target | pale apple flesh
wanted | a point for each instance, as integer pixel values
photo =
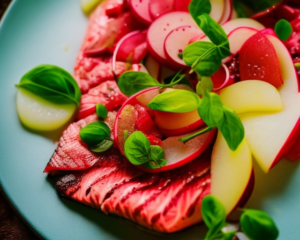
(271, 135)
(231, 172)
(251, 96)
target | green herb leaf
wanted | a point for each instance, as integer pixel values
(210, 109)
(203, 57)
(154, 165)
(131, 82)
(102, 147)
(177, 101)
(258, 225)
(260, 5)
(51, 83)
(232, 128)
(204, 85)
(202, 131)
(228, 235)
(215, 33)
(214, 215)
(283, 29)
(198, 7)
(156, 152)
(101, 111)
(94, 133)
(137, 148)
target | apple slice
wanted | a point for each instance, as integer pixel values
(242, 22)
(271, 135)
(177, 40)
(140, 10)
(258, 60)
(88, 6)
(230, 172)
(40, 114)
(159, 30)
(251, 96)
(158, 8)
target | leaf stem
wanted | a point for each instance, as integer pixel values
(202, 131)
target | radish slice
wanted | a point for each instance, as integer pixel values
(177, 40)
(131, 48)
(158, 8)
(159, 30)
(217, 9)
(221, 78)
(238, 37)
(140, 10)
(227, 12)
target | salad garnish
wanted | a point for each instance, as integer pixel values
(97, 136)
(257, 225)
(51, 83)
(283, 29)
(198, 7)
(139, 151)
(101, 111)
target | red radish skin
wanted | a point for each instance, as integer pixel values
(177, 40)
(158, 8)
(180, 5)
(227, 13)
(140, 10)
(159, 30)
(190, 150)
(261, 62)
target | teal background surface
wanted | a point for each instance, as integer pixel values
(36, 32)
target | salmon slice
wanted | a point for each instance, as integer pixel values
(73, 154)
(107, 93)
(165, 202)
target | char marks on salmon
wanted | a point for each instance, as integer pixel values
(166, 202)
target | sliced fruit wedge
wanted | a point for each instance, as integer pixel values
(251, 96)
(258, 60)
(88, 6)
(231, 173)
(42, 115)
(130, 118)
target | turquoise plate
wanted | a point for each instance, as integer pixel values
(35, 32)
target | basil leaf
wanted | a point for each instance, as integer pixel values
(94, 133)
(214, 215)
(210, 109)
(101, 111)
(232, 128)
(102, 147)
(228, 235)
(240, 9)
(177, 101)
(283, 29)
(174, 79)
(156, 152)
(136, 148)
(203, 57)
(131, 82)
(51, 83)
(215, 33)
(198, 7)
(154, 165)
(204, 85)
(258, 225)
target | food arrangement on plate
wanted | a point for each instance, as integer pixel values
(171, 101)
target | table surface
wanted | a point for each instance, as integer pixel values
(12, 227)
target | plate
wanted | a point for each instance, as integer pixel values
(35, 32)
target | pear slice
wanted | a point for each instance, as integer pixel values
(251, 96)
(41, 115)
